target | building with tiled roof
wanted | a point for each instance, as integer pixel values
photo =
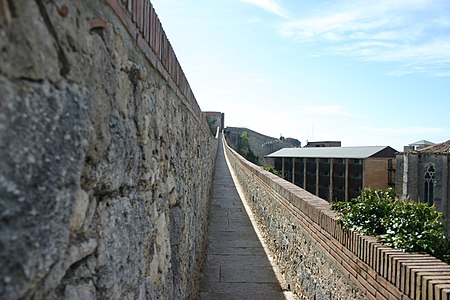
(423, 174)
(442, 148)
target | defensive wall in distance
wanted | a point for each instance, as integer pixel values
(106, 160)
(319, 258)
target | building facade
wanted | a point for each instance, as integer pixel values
(423, 175)
(417, 145)
(337, 173)
(323, 144)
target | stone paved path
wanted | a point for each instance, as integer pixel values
(237, 265)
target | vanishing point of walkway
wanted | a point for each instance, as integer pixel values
(237, 266)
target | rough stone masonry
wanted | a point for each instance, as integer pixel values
(105, 171)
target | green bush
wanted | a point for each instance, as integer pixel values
(402, 224)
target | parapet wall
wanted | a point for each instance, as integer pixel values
(106, 160)
(319, 258)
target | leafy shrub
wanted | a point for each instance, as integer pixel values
(402, 224)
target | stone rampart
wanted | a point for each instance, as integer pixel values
(319, 258)
(106, 160)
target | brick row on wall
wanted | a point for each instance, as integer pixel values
(377, 270)
(142, 22)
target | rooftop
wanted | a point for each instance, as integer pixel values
(422, 143)
(334, 152)
(437, 148)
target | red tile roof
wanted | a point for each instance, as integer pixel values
(437, 149)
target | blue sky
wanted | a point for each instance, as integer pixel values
(362, 72)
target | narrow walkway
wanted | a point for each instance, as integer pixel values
(237, 266)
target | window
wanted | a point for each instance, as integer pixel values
(390, 165)
(390, 173)
(278, 163)
(429, 185)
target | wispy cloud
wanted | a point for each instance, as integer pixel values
(414, 33)
(268, 5)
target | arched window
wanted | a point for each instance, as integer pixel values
(428, 194)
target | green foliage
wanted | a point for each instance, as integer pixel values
(243, 144)
(272, 170)
(402, 224)
(243, 148)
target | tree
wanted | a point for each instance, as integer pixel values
(243, 148)
(243, 144)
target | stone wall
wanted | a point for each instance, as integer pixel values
(407, 179)
(106, 160)
(306, 267)
(260, 144)
(215, 121)
(320, 259)
(410, 179)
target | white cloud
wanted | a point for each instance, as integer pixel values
(413, 33)
(268, 5)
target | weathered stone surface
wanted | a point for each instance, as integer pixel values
(82, 291)
(237, 266)
(312, 274)
(105, 172)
